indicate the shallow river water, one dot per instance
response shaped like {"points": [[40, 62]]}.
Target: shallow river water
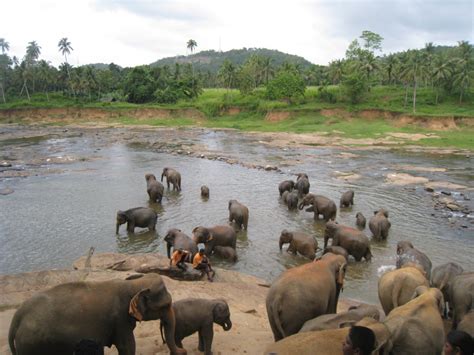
{"points": [[51, 220]]}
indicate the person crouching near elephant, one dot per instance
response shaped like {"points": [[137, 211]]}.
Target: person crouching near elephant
{"points": [[458, 343], [201, 263], [179, 258], [359, 341]]}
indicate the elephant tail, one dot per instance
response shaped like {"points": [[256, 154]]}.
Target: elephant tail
{"points": [[396, 293], [276, 312], [12, 332], [161, 332]]}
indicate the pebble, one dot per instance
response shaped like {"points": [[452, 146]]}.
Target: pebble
{"points": [[446, 193], [429, 189]]}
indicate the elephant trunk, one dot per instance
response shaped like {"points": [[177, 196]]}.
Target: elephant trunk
{"points": [[117, 228], [168, 249], [169, 322], [326, 238], [162, 177], [301, 205], [281, 244], [227, 325]]}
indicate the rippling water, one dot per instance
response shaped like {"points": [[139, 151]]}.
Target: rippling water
{"points": [[52, 220]]}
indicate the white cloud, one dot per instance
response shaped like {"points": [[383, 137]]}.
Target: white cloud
{"points": [[131, 33]]}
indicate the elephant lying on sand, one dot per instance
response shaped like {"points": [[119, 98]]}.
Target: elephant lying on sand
{"points": [[198, 315], [379, 224], [342, 319], [303, 293], [300, 242], [137, 217], [396, 287], [54, 321], [321, 205], [442, 277], [354, 241], [408, 254], [173, 177], [462, 296], [154, 188]]}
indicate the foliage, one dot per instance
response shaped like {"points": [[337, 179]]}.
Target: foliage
{"points": [[355, 87], [288, 85], [139, 85]]}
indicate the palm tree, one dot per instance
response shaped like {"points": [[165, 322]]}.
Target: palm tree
{"points": [[4, 45], [228, 73], [441, 73], [465, 64], [65, 48], [429, 52], [267, 68], [33, 50], [191, 45], [415, 70], [336, 71], [389, 65]]}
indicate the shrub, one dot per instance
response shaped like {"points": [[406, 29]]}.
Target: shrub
{"points": [[286, 85]]}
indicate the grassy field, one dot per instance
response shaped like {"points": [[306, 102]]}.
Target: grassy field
{"points": [[304, 116]]}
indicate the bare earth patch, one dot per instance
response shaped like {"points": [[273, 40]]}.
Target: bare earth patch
{"points": [[402, 179]]}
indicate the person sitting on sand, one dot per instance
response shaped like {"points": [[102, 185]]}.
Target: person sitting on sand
{"points": [[458, 343], [360, 341], [201, 262], [179, 258]]}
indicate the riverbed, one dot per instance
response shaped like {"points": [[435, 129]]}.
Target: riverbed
{"points": [[68, 184]]}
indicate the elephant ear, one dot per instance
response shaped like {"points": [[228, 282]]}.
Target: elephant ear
{"points": [[138, 304]]}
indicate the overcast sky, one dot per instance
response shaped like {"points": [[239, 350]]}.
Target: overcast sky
{"points": [[131, 33]]}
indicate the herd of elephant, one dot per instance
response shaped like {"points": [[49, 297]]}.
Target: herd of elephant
{"points": [[301, 303]]}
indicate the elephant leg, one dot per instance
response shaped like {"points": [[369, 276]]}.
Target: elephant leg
{"points": [[207, 335], [201, 341], [125, 344], [130, 227], [179, 343]]}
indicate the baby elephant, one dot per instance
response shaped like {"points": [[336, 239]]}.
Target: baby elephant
{"points": [[287, 185], [379, 224], [154, 188], [347, 199], [302, 243], [198, 315], [137, 217], [360, 220], [290, 199], [204, 191]]}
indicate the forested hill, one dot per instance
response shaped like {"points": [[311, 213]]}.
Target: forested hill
{"points": [[212, 60]]}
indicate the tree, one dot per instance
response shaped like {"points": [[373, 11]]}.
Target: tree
{"points": [[372, 41], [464, 65], [65, 48], [33, 50], [355, 86], [227, 73], [335, 71], [389, 65], [286, 85], [191, 45], [441, 74], [4, 45], [416, 71]]}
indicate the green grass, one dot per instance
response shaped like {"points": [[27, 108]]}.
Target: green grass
{"points": [[167, 122]]}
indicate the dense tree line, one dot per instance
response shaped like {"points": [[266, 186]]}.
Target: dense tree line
{"points": [[447, 70]]}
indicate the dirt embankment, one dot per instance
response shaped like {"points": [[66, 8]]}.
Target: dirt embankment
{"points": [[250, 333]]}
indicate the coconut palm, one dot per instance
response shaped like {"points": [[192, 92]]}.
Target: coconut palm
{"points": [[65, 48], [228, 73], [465, 64], [442, 72], [416, 71], [191, 45], [32, 52], [336, 71], [4, 45]]}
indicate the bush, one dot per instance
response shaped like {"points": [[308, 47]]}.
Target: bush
{"points": [[325, 95], [355, 87], [139, 85], [286, 85]]}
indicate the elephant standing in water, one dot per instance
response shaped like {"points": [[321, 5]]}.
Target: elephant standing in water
{"points": [[360, 220], [178, 240], [354, 241], [214, 236], [303, 293], [204, 191], [142, 217], [154, 188], [300, 242], [462, 296], [408, 254], [321, 205], [379, 224], [173, 177], [442, 276], [198, 315], [239, 213], [287, 185], [290, 199], [347, 199], [54, 321], [302, 184]]}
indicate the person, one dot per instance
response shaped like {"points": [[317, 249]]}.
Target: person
{"points": [[359, 341], [179, 257], [88, 347], [201, 262], [458, 343]]}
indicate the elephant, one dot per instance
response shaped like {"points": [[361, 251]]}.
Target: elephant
{"points": [[290, 199], [320, 205], [467, 323], [204, 191], [177, 239], [360, 220], [137, 217], [54, 321], [302, 184], [354, 241], [173, 177], [396, 287], [407, 253], [218, 235], [342, 319], [379, 224], [300, 242], [227, 253], [336, 250], [442, 276], [462, 296], [287, 185], [154, 188], [198, 315], [347, 199], [239, 213], [303, 293]]}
